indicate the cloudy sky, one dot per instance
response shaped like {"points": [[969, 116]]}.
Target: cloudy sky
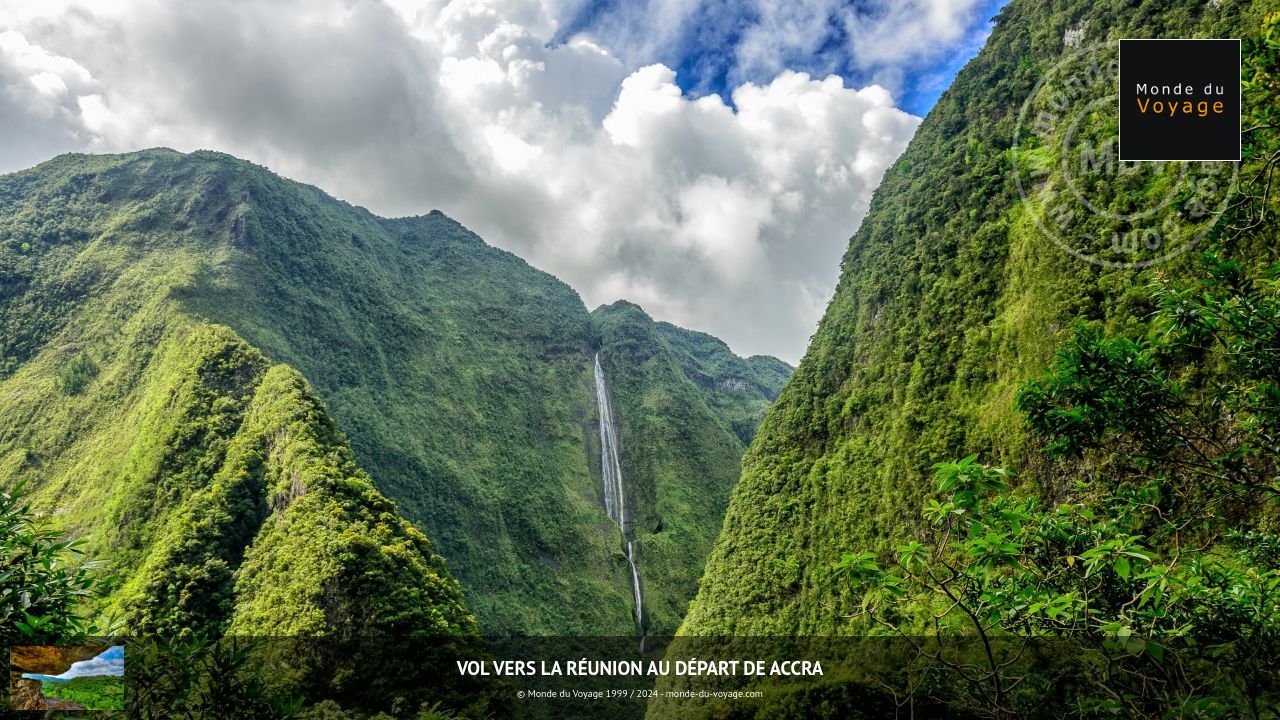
{"points": [[707, 159]]}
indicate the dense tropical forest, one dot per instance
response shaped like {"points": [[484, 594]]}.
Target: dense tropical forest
{"points": [[92, 693], [160, 313], [1004, 481], [991, 441], [263, 412]]}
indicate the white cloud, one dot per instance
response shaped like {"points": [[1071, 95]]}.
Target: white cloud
{"points": [[899, 30], [726, 219], [110, 662], [39, 100], [95, 667], [878, 34], [906, 34], [884, 40]]}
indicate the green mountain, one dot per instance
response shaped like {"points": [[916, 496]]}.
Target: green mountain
{"points": [[737, 389], [950, 298], [684, 404], [206, 370], [93, 693]]}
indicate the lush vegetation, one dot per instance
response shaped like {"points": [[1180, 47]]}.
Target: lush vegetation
{"points": [[266, 527], [45, 580], [1157, 560], [331, 561], [950, 299], [94, 693], [141, 296], [738, 389], [684, 402], [288, 537], [197, 678], [1129, 567]]}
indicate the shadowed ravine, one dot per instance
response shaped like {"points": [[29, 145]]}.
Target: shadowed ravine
{"points": [[615, 497]]}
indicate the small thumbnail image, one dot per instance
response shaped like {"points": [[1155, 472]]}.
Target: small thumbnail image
{"points": [[74, 677]]}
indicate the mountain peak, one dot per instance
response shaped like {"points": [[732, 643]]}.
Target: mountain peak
{"points": [[450, 375]]}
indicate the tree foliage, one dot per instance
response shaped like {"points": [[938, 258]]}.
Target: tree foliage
{"points": [[94, 693], [1161, 558], [200, 679], [950, 298], [1146, 619], [44, 579]]}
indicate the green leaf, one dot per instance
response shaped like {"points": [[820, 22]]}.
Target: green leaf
{"points": [[1155, 650]]}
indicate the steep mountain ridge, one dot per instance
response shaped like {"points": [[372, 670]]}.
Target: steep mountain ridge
{"points": [[682, 398], [206, 448], [950, 297], [460, 375]]}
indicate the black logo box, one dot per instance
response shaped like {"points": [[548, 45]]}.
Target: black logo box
{"points": [[1185, 67]]}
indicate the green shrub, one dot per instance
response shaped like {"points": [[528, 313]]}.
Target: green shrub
{"points": [[77, 374], [42, 579]]}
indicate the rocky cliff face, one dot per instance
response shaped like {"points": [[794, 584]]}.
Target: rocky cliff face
{"points": [[24, 693]]}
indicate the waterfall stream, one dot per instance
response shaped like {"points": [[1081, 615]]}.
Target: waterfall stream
{"points": [[615, 497]]}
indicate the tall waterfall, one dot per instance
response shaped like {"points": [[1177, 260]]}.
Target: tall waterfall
{"points": [[615, 497]]}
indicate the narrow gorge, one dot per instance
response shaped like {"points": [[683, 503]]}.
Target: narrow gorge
{"points": [[157, 289]]}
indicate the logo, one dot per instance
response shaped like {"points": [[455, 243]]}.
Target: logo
{"points": [[1180, 100], [1079, 192]]}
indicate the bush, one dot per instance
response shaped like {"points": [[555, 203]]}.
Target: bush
{"points": [[77, 374], [42, 581]]}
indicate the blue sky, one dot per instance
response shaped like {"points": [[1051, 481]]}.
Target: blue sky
{"points": [[706, 159], [705, 51]]}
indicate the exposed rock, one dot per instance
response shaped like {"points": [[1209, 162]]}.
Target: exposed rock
{"points": [[24, 693], [1073, 36], [240, 234], [50, 660]]}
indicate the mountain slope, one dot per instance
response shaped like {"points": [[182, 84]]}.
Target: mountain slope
{"points": [[737, 389], [461, 376], [681, 400], [949, 298], [197, 448]]}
